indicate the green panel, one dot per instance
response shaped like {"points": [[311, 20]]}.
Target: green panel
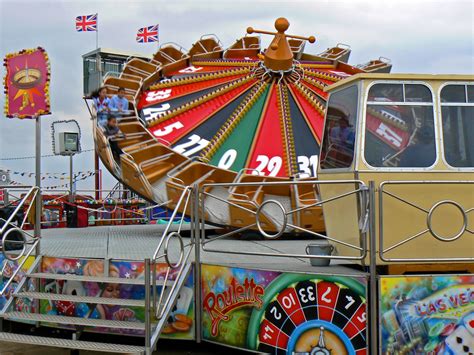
{"points": [[242, 136]]}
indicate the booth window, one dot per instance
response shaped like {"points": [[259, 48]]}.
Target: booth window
{"points": [[339, 132], [399, 130], [457, 111]]}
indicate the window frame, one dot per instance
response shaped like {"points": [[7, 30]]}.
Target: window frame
{"points": [[441, 128], [353, 165], [405, 103]]}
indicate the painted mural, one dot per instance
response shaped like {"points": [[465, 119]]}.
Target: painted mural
{"points": [[7, 269], [180, 323], [284, 313], [427, 315]]}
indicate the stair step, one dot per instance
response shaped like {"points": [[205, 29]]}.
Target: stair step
{"points": [[81, 299], [70, 344], [100, 279], [73, 320]]}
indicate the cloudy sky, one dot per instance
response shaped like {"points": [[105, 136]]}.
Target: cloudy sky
{"points": [[418, 36]]}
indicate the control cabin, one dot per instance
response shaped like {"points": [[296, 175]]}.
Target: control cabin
{"points": [[412, 136]]}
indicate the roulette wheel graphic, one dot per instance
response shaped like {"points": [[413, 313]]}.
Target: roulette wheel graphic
{"points": [[308, 314], [229, 115]]}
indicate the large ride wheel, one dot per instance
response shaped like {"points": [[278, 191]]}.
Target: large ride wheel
{"points": [[211, 115]]}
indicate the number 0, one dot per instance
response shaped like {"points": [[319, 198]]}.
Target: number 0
{"points": [[227, 159]]}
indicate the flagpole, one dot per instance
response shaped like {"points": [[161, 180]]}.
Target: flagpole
{"points": [[99, 64], [158, 41], [99, 82]]}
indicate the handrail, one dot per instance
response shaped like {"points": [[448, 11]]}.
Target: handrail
{"points": [[32, 190], [359, 190], [158, 304], [20, 266]]}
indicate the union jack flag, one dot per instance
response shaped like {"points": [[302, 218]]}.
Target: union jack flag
{"points": [[86, 23], [147, 34]]}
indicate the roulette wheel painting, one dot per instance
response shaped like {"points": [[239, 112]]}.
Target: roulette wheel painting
{"points": [[305, 314]]}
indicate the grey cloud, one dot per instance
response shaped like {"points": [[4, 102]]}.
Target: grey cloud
{"points": [[419, 36]]}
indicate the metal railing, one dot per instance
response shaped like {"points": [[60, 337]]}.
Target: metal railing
{"points": [[163, 251], [384, 249], [8, 228], [290, 218], [159, 302]]}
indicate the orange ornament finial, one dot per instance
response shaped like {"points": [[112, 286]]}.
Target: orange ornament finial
{"points": [[279, 56]]}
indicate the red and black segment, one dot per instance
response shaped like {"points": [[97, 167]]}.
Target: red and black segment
{"points": [[305, 314], [279, 130]]}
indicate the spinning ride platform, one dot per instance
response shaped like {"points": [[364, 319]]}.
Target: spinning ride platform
{"points": [[241, 114], [401, 225]]}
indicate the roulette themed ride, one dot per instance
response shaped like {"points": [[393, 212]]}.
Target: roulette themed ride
{"points": [[307, 153]]}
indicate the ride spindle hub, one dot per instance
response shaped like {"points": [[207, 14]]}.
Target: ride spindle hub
{"points": [[279, 56]]}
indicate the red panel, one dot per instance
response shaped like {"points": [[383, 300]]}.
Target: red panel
{"points": [[152, 97], [196, 69], [327, 299], [361, 352], [315, 119], [289, 301], [317, 90], [351, 330], [271, 335], [268, 153], [359, 318], [181, 124], [391, 135]]}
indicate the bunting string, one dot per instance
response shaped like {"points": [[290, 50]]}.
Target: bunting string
{"points": [[43, 156], [57, 176]]}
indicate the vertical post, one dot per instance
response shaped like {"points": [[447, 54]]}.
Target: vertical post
{"points": [[39, 200], [197, 262], [97, 175], [373, 331], [71, 180], [98, 59], [98, 68], [147, 308]]}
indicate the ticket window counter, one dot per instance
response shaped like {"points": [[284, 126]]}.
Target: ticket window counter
{"points": [[410, 135]]}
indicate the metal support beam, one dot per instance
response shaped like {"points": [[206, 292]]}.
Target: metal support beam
{"points": [[39, 199], [196, 230], [71, 179], [148, 349], [373, 299]]}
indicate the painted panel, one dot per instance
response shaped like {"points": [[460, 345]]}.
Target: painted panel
{"points": [[267, 156], [176, 127], [153, 97], [180, 323], [7, 269], [306, 145], [427, 314], [284, 313], [208, 128], [234, 151]]}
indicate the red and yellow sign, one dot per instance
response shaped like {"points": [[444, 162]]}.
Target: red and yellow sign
{"points": [[27, 83]]}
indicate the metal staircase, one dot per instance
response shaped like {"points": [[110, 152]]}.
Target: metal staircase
{"points": [[159, 297]]}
